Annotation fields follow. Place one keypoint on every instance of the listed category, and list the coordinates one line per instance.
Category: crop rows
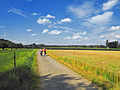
(89, 65)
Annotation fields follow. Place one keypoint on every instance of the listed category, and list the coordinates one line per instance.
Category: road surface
(55, 76)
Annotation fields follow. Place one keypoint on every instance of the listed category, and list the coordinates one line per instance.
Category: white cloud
(65, 20)
(113, 35)
(34, 34)
(105, 17)
(77, 36)
(102, 28)
(29, 30)
(112, 40)
(66, 31)
(43, 21)
(84, 33)
(4, 34)
(114, 28)
(86, 38)
(118, 36)
(45, 31)
(102, 36)
(108, 5)
(82, 11)
(60, 27)
(2, 26)
(17, 11)
(50, 16)
(56, 32)
(67, 38)
(35, 14)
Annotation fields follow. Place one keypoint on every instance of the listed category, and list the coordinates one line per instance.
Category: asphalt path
(55, 76)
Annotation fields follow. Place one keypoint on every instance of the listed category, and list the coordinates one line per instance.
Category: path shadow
(60, 82)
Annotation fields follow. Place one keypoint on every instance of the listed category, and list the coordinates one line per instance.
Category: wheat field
(100, 67)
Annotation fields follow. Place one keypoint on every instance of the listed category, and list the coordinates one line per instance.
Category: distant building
(113, 44)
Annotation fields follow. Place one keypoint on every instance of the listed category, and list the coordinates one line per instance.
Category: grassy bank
(100, 67)
(24, 75)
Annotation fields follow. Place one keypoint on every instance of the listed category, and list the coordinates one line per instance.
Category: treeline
(82, 46)
(113, 44)
(8, 44)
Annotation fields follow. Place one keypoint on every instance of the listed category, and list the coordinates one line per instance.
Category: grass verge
(22, 77)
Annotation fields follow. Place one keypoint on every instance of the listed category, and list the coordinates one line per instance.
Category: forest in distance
(109, 46)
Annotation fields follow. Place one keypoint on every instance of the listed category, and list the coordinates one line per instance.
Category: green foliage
(8, 44)
(24, 76)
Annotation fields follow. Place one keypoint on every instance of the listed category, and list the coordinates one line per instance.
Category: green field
(21, 77)
(82, 48)
(100, 67)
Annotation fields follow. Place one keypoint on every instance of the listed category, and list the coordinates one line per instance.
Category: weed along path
(55, 76)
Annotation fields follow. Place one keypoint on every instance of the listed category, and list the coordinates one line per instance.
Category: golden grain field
(101, 67)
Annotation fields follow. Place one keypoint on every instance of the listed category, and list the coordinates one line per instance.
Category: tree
(19, 45)
(107, 43)
(119, 45)
(33, 45)
(3, 45)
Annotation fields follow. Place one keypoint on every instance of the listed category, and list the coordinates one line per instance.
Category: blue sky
(67, 22)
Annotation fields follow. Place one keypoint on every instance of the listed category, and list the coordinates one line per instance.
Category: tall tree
(107, 44)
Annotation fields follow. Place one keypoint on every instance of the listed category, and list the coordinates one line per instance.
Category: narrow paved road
(55, 76)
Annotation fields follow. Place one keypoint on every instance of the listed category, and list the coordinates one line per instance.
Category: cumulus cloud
(29, 30)
(102, 36)
(50, 16)
(79, 35)
(114, 28)
(67, 38)
(43, 21)
(86, 38)
(35, 14)
(45, 31)
(84, 33)
(105, 17)
(82, 11)
(65, 20)
(17, 11)
(34, 34)
(113, 35)
(108, 5)
(56, 32)
(118, 36)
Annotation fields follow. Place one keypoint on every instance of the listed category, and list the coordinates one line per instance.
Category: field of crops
(100, 67)
(21, 77)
